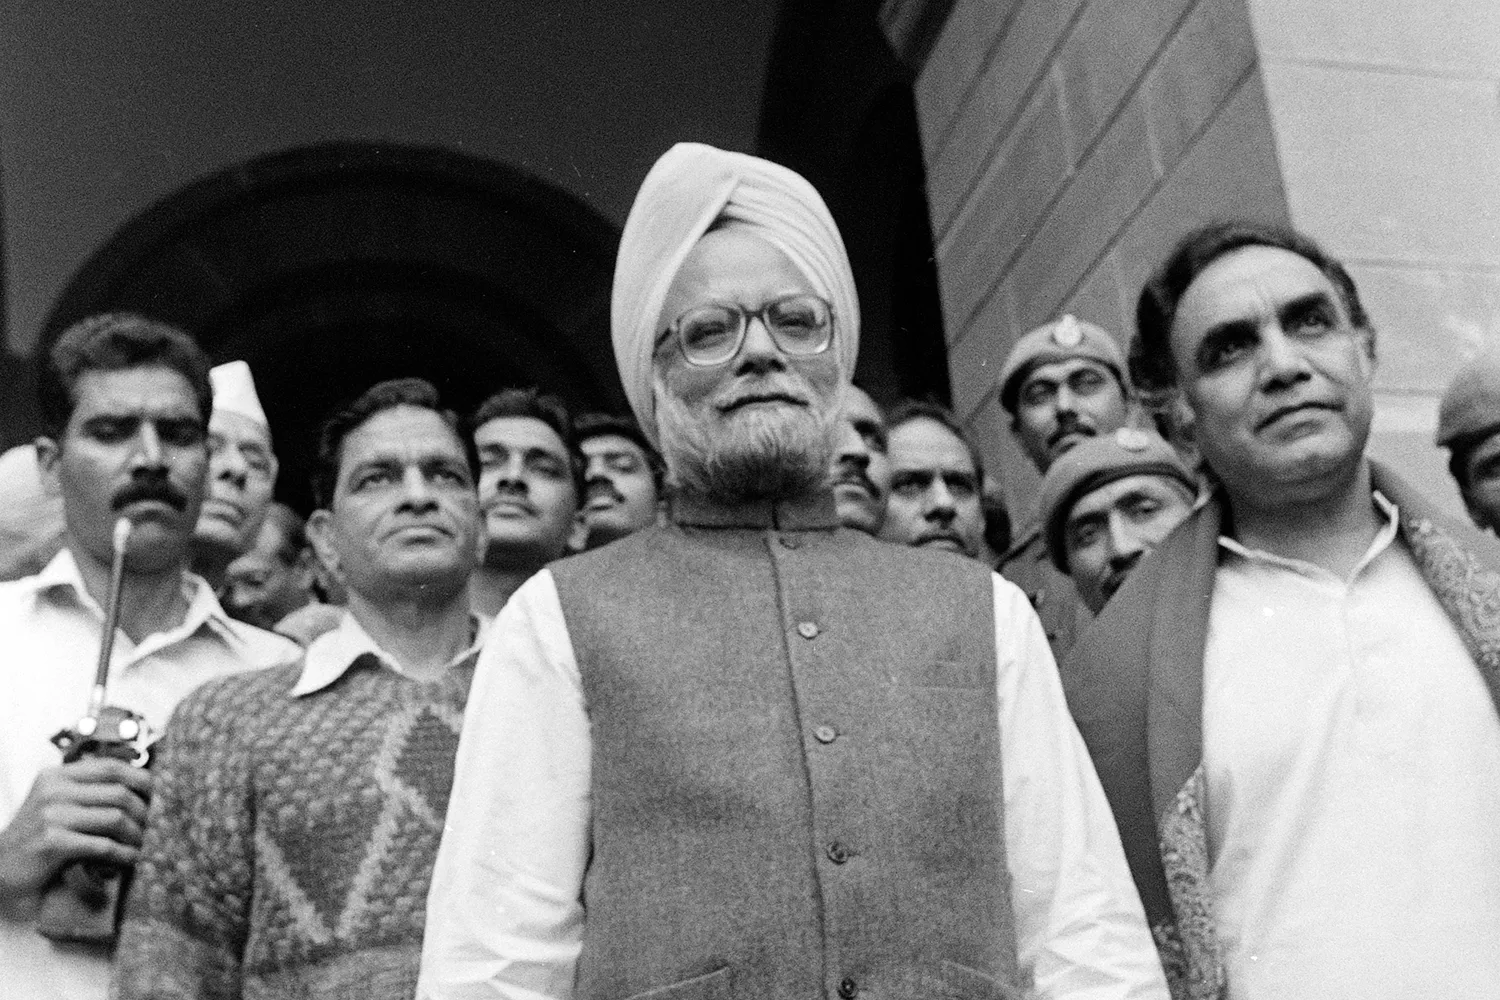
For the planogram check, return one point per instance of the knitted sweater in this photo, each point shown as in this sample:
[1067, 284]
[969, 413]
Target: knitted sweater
[291, 840]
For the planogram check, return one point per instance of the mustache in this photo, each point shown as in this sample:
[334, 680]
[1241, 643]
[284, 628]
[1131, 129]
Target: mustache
[140, 490]
[596, 488]
[854, 476]
[1069, 423]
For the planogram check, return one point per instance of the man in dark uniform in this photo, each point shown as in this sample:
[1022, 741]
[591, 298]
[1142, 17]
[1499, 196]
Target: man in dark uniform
[1062, 383]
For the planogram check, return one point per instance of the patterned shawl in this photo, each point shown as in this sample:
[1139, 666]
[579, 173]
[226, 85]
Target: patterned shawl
[1135, 685]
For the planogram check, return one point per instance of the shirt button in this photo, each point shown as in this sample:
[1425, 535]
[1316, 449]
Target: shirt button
[788, 542]
[838, 853]
[826, 734]
[808, 630]
[848, 989]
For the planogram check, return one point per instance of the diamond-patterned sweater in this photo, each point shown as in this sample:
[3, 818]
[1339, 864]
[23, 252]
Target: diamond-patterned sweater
[291, 840]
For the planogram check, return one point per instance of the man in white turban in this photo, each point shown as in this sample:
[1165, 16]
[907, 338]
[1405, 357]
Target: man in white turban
[751, 753]
[241, 474]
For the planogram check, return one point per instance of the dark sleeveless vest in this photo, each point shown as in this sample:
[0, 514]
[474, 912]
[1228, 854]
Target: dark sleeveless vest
[796, 784]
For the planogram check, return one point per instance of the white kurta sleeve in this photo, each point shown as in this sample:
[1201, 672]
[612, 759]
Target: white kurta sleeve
[1080, 929]
[504, 917]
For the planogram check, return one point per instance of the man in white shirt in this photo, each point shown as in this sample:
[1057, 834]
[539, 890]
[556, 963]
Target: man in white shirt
[126, 400]
[752, 753]
[1292, 701]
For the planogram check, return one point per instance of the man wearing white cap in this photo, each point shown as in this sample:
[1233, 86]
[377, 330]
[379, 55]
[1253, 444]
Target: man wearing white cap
[125, 399]
[241, 474]
[776, 757]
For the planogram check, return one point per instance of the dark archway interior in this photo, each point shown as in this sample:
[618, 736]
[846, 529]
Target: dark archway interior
[330, 268]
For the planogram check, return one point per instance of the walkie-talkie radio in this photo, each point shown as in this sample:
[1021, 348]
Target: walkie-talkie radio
[82, 902]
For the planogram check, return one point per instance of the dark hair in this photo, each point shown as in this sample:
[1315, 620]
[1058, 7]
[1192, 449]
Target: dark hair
[378, 398]
[1151, 366]
[293, 530]
[914, 409]
[592, 425]
[115, 342]
[538, 405]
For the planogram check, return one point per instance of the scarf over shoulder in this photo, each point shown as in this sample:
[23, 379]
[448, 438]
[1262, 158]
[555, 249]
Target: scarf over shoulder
[1135, 685]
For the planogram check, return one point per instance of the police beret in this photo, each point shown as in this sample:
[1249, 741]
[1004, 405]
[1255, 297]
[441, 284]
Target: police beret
[1059, 340]
[1096, 462]
[1471, 405]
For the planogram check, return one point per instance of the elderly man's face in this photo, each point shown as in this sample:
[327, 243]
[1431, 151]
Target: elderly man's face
[761, 422]
[241, 477]
[1109, 529]
[1061, 403]
[1274, 374]
[861, 464]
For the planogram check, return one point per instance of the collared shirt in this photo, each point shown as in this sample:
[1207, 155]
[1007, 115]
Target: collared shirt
[50, 632]
[1352, 755]
[505, 915]
[334, 652]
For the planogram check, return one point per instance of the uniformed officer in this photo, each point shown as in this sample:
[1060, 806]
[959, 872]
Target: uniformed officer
[1107, 503]
[1469, 427]
[1062, 383]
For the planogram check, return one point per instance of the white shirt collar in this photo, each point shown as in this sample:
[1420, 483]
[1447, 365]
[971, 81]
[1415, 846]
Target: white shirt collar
[1382, 541]
[62, 575]
[331, 654]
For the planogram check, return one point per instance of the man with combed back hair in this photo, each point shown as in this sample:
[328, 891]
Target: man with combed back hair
[775, 757]
[1292, 701]
[297, 811]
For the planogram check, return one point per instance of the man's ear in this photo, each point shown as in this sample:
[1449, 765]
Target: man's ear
[320, 534]
[48, 452]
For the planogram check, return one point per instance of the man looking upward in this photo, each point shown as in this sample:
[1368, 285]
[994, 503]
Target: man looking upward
[776, 757]
[1292, 702]
[297, 811]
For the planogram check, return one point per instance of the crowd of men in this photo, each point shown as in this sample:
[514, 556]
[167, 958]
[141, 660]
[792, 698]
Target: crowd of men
[727, 699]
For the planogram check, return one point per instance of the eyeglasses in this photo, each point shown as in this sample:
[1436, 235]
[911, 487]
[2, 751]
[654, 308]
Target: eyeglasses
[800, 325]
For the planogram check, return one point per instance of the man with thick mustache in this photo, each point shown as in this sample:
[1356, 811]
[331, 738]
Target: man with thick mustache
[937, 482]
[126, 401]
[530, 485]
[861, 464]
[1292, 701]
[1062, 383]
[241, 474]
[297, 811]
[775, 757]
[622, 478]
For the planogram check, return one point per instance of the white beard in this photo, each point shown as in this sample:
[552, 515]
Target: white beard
[762, 453]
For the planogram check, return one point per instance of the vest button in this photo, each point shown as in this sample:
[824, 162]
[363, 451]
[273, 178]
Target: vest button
[788, 542]
[808, 630]
[838, 853]
[826, 734]
[848, 989]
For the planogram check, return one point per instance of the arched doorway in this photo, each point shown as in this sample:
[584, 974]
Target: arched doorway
[331, 267]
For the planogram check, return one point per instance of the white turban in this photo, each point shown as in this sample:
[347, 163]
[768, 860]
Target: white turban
[686, 192]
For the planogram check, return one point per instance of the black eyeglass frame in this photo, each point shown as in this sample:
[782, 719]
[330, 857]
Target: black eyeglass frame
[745, 316]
